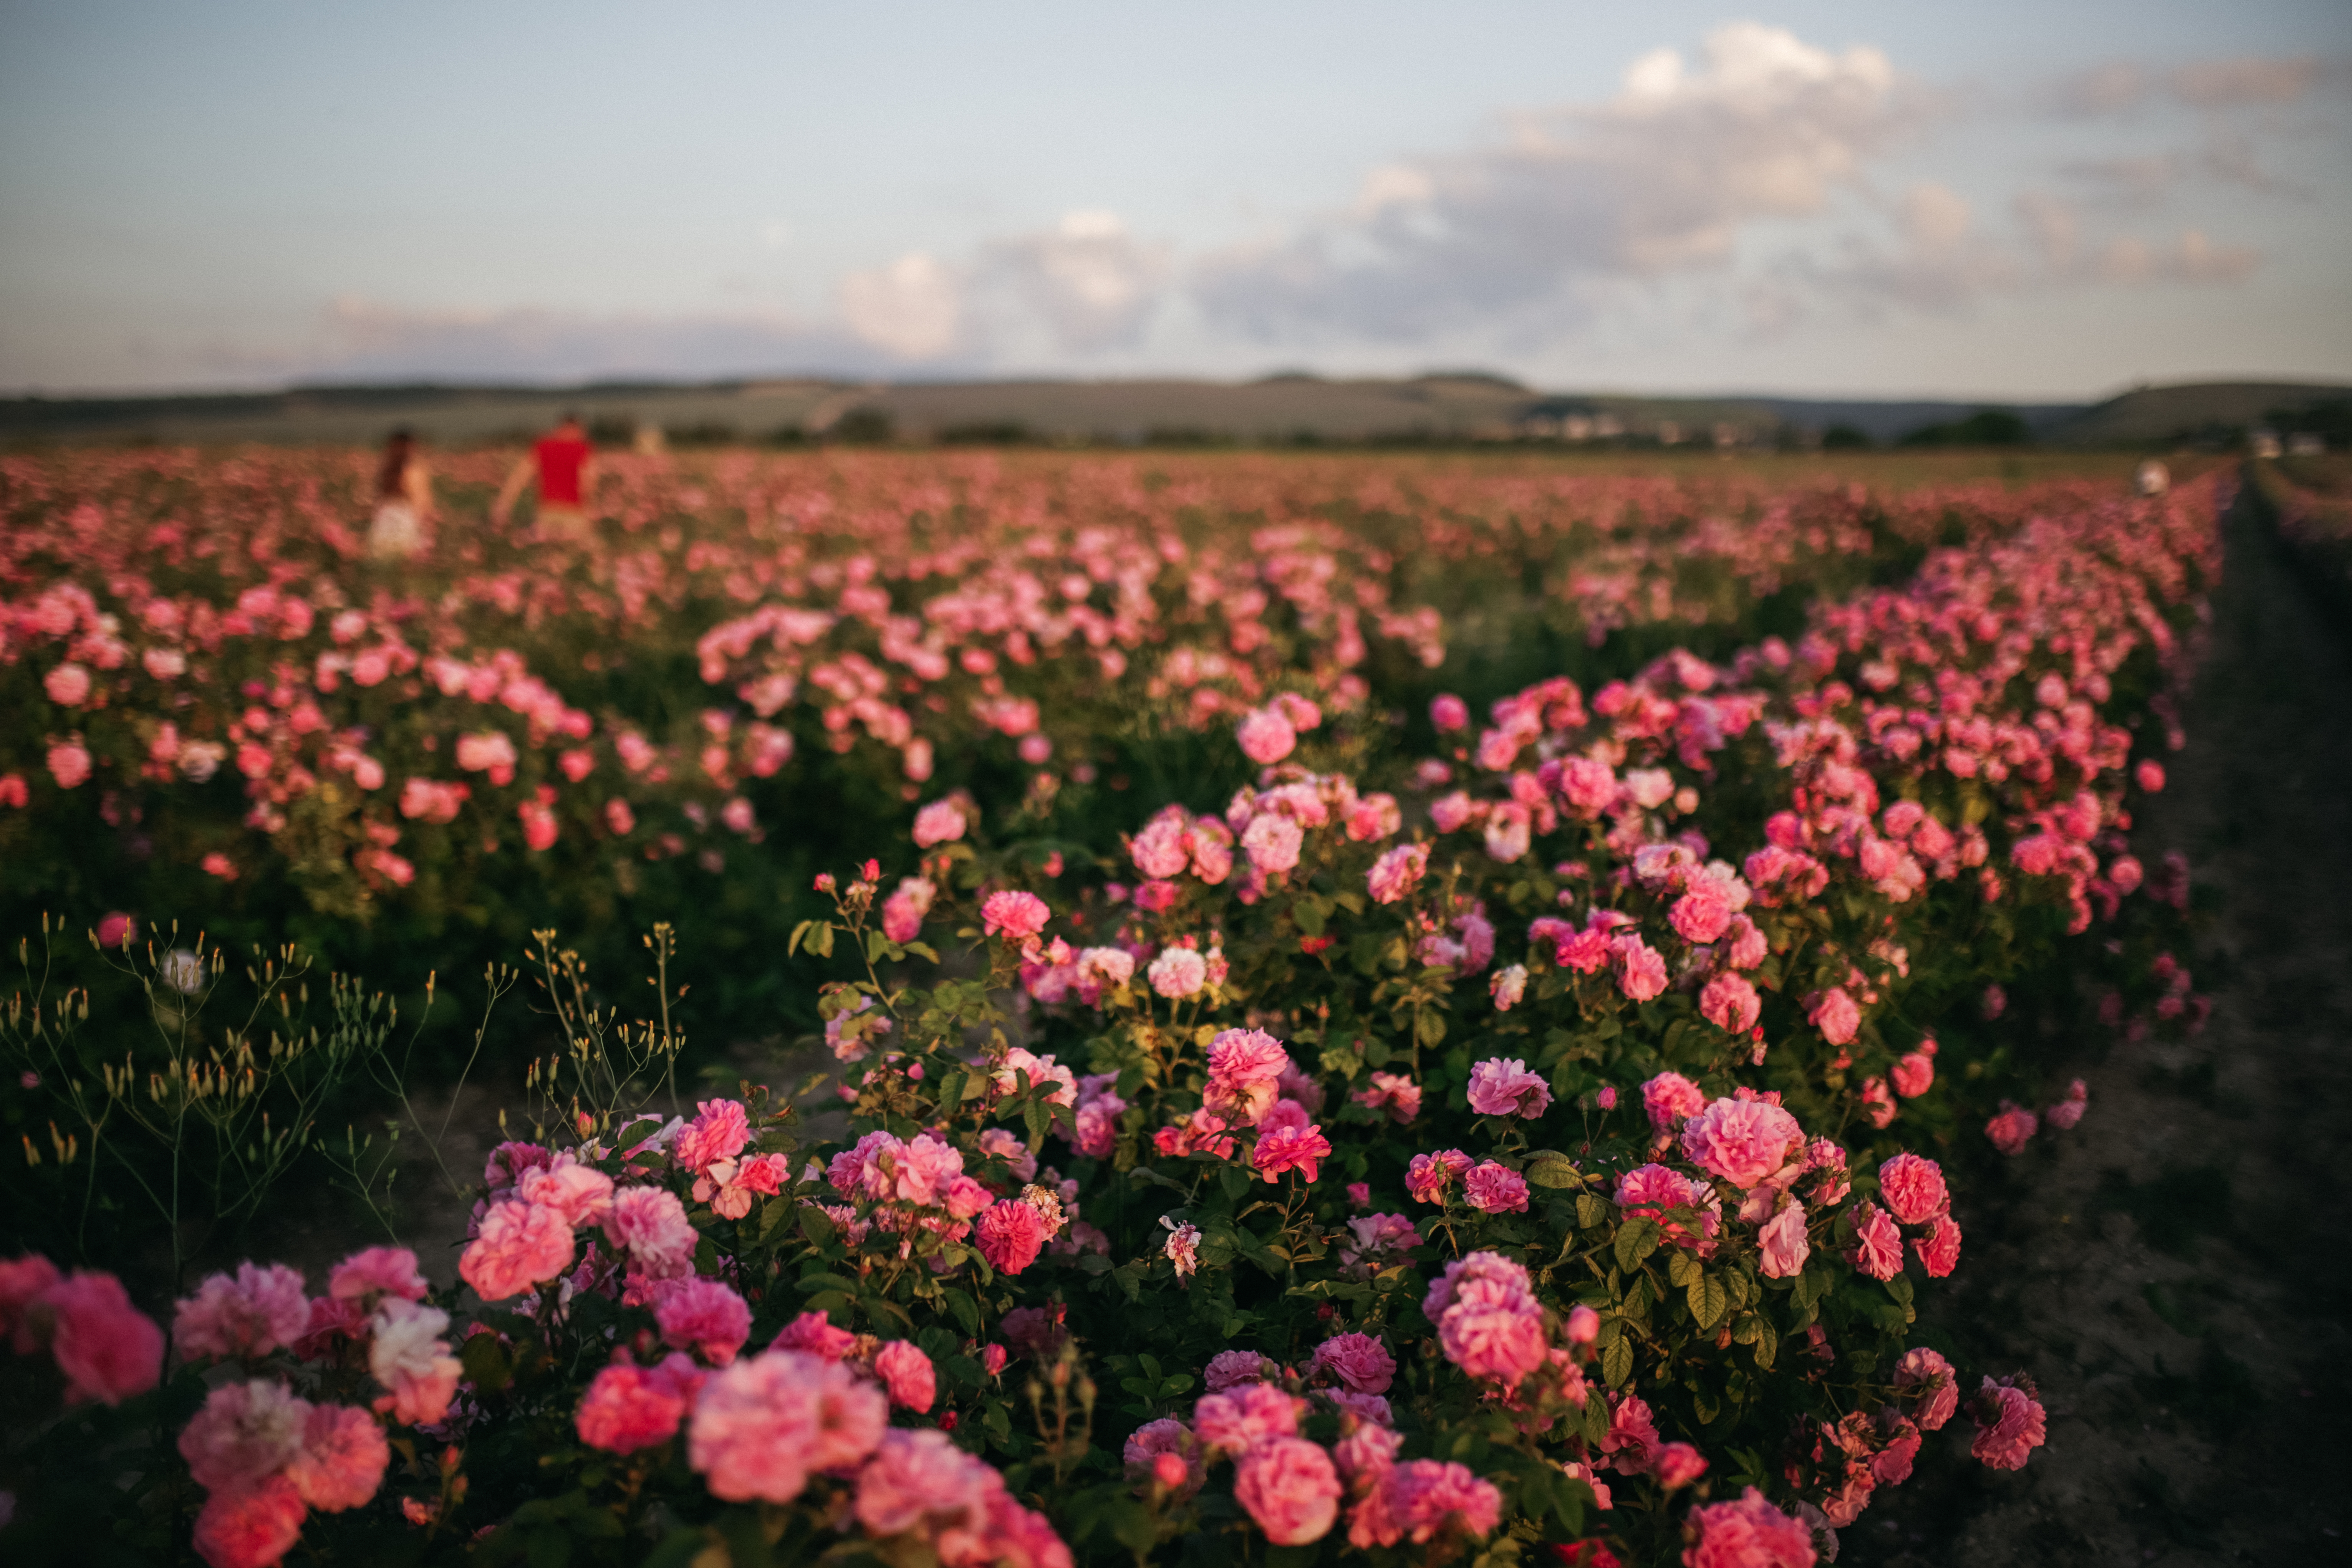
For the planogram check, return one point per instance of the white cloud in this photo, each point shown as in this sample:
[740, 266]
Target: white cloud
[1090, 283]
[912, 309]
[1663, 178]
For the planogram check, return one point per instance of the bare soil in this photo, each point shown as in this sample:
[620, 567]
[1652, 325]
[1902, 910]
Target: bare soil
[2175, 1272]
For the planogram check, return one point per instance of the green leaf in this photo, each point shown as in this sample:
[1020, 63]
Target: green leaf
[1707, 1298]
[1768, 1344]
[1682, 1268]
[952, 1089]
[966, 1310]
[816, 1225]
[486, 1362]
[1308, 914]
[1550, 1168]
[1036, 1118]
[1429, 1026]
[1636, 1241]
[1617, 1362]
[792, 945]
[820, 940]
[1590, 1211]
[876, 945]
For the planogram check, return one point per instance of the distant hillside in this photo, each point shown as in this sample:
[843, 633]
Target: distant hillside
[2151, 416]
[1287, 409]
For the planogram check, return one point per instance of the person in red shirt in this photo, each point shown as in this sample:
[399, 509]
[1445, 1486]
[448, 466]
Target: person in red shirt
[565, 466]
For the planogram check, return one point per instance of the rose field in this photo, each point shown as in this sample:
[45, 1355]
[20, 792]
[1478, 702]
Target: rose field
[1040, 1009]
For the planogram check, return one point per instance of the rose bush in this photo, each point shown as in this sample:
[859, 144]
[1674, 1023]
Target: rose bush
[1539, 1144]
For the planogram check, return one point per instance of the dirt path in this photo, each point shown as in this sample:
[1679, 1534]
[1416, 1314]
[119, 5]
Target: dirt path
[2176, 1274]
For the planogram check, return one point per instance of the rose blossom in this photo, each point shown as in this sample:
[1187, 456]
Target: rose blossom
[1641, 970]
[107, 1349]
[1914, 1073]
[706, 1317]
[941, 822]
[718, 1133]
[1939, 1250]
[1360, 1362]
[921, 1475]
[907, 1372]
[1289, 1488]
[1836, 1016]
[250, 1527]
[1878, 1246]
[1491, 1188]
[1913, 1188]
[628, 1407]
[1272, 842]
[341, 1463]
[1244, 1416]
[407, 1356]
[1396, 873]
[1281, 1149]
[2009, 1423]
[1427, 1178]
[251, 1314]
[1246, 1068]
[1183, 1247]
[1424, 1496]
[2012, 1128]
[1730, 1003]
[1178, 972]
[1231, 1369]
[1014, 916]
[519, 1246]
[1399, 1095]
[1782, 1239]
[1266, 735]
[763, 1424]
[1488, 1321]
[246, 1433]
[1677, 1464]
[1010, 1234]
[1669, 1098]
[1633, 1436]
[1747, 1533]
[1741, 1141]
[1928, 1378]
[377, 1270]
[1505, 1087]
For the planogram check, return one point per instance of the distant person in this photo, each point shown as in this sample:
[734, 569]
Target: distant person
[565, 466]
[404, 501]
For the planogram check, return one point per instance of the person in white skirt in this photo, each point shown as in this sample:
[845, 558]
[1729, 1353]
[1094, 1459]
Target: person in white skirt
[404, 501]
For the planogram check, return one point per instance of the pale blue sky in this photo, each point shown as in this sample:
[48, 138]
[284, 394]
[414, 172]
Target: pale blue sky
[2009, 199]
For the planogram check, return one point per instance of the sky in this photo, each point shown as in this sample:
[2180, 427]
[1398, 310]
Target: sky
[2013, 198]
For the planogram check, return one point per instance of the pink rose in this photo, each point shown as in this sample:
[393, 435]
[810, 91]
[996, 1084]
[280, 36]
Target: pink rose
[718, 1133]
[1677, 1464]
[1782, 1239]
[2012, 1128]
[1702, 914]
[1425, 1497]
[1281, 1149]
[1878, 1246]
[1730, 1003]
[761, 1425]
[1939, 1250]
[2009, 1423]
[1448, 714]
[1360, 1362]
[1505, 1087]
[706, 1317]
[1010, 1234]
[1914, 1073]
[628, 1407]
[941, 821]
[1913, 1188]
[250, 1314]
[519, 1245]
[1491, 1188]
[1428, 1177]
[250, 1527]
[1014, 916]
[1488, 1321]
[907, 1373]
[107, 1349]
[1669, 1098]
[1272, 842]
[1741, 1141]
[1926, 1379]
[1747, 1533]
[1641, 970]
[1396, 873]
[342, 1461]
[1266, 735]
[1288, 1486]
[1835, 1015]
[1246, 1415]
